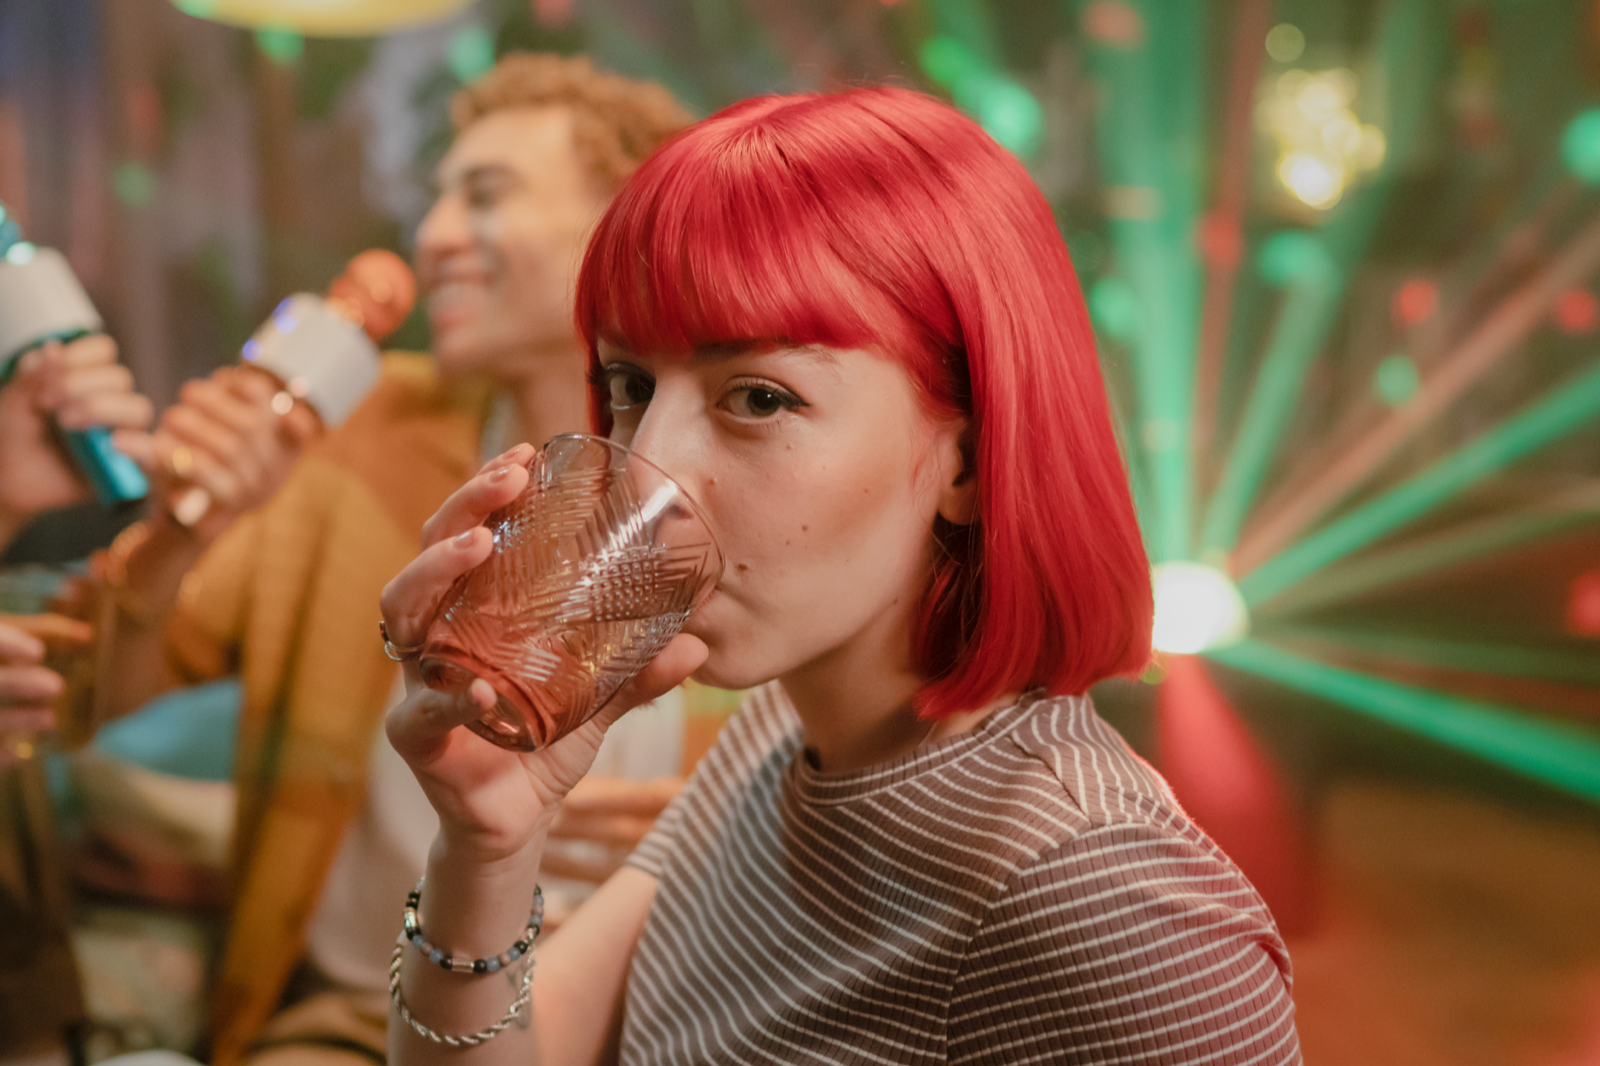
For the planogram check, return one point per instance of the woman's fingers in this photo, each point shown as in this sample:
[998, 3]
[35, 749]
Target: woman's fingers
[128, 411]
[224, 415]
[26, 722]
[475, 501]
[138, 446]
[411, 599]
[97, 349]
[197, 466]
[419, 726]
[18, 647]
[29, 686]
[516, 455]
[52, 627]
[680, 658]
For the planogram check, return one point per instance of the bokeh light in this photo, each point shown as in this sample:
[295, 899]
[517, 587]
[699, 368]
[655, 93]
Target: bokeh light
[1580, 147]
[1583, 605]
[1314, 179]
[1197, 609]
[1414, 302]
[1114, 308]
[1577, 312]
[1285, 42]
[133, 183]
[1003, 107]
[1322, 146]
[471, 53]
[1292, 257]
[1396, 380]
[1114, 22]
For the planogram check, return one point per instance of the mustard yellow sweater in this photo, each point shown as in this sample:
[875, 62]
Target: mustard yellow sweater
[288, 597]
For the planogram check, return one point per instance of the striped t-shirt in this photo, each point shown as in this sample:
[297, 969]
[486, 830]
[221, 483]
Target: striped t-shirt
[1027, 892]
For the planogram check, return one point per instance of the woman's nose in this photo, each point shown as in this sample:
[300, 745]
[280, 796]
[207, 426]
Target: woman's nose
[668, 434]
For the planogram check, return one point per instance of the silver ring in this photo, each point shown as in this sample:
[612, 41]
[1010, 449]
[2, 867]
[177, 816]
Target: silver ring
[400, 653]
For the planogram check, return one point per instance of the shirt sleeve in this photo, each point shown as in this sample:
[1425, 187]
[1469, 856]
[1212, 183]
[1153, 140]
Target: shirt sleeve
[207, 623]
[1125, 945]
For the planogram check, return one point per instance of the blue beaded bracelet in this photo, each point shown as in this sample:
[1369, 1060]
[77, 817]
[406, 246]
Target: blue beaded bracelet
[495, 963]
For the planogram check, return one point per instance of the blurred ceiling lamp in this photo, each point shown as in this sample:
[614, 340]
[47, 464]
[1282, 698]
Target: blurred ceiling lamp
[323, 18]
[1322, 146]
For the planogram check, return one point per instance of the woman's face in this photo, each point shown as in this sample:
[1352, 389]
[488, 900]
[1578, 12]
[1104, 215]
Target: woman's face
[820, 474]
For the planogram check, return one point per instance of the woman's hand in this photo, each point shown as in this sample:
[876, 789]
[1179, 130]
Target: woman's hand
[77, 386]
[491, 802]
[225, 437]
[28, 689]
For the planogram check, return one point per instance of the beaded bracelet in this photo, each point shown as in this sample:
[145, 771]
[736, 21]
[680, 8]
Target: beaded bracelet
[493, 964]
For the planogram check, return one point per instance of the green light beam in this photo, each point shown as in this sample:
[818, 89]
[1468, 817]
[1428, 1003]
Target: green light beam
[1307, 314]
[1507, 660]
[1407, 57]
[1567, 408]
[1394, 564]
[1561, 756]
[1149, 129]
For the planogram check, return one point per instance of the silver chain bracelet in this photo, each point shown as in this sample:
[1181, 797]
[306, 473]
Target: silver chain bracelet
[524, 994]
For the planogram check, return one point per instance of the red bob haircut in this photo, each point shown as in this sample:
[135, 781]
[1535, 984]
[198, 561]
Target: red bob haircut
[883, 219]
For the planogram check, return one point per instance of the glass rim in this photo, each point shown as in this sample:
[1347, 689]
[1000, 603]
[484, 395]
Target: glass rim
[634, 456]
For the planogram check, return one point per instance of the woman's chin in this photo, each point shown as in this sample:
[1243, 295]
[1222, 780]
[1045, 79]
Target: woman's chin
[721, 670]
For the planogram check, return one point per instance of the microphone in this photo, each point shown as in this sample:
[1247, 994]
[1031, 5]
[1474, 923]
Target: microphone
[41, 300]
[323, 350]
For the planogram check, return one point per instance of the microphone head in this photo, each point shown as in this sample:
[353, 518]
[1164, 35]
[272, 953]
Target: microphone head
[376, 290]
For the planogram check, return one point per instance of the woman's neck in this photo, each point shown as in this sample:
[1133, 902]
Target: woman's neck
[857, 713]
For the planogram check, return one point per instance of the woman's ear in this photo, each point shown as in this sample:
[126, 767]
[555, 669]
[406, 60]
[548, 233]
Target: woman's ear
[958, 490]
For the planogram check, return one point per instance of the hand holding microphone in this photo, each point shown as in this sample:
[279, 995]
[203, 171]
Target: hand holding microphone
[67, 409]
[230, 442]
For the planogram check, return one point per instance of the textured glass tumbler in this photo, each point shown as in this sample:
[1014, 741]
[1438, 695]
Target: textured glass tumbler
[595, 567]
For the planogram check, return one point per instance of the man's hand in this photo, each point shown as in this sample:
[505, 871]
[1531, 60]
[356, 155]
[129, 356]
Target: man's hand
[76, 386]
[232, 437]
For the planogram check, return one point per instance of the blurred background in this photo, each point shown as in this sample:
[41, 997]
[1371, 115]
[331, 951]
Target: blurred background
[1341, 258]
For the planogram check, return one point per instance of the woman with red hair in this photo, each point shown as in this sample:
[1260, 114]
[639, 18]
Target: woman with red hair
[848, 326]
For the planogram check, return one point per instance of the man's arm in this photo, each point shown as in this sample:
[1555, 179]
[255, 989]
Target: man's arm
[224, 437]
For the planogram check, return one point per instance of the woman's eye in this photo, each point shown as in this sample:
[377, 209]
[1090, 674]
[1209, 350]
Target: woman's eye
[628, 388]
[756, 401]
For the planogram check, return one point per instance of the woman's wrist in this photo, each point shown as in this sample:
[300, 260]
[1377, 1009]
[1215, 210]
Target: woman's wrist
[475, 905]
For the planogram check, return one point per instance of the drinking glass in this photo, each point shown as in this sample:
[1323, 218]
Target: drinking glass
[595, 567]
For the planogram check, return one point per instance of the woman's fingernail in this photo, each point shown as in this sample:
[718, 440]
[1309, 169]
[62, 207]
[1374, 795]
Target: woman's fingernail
[508, 453]
[500, 475]
[465, 540]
